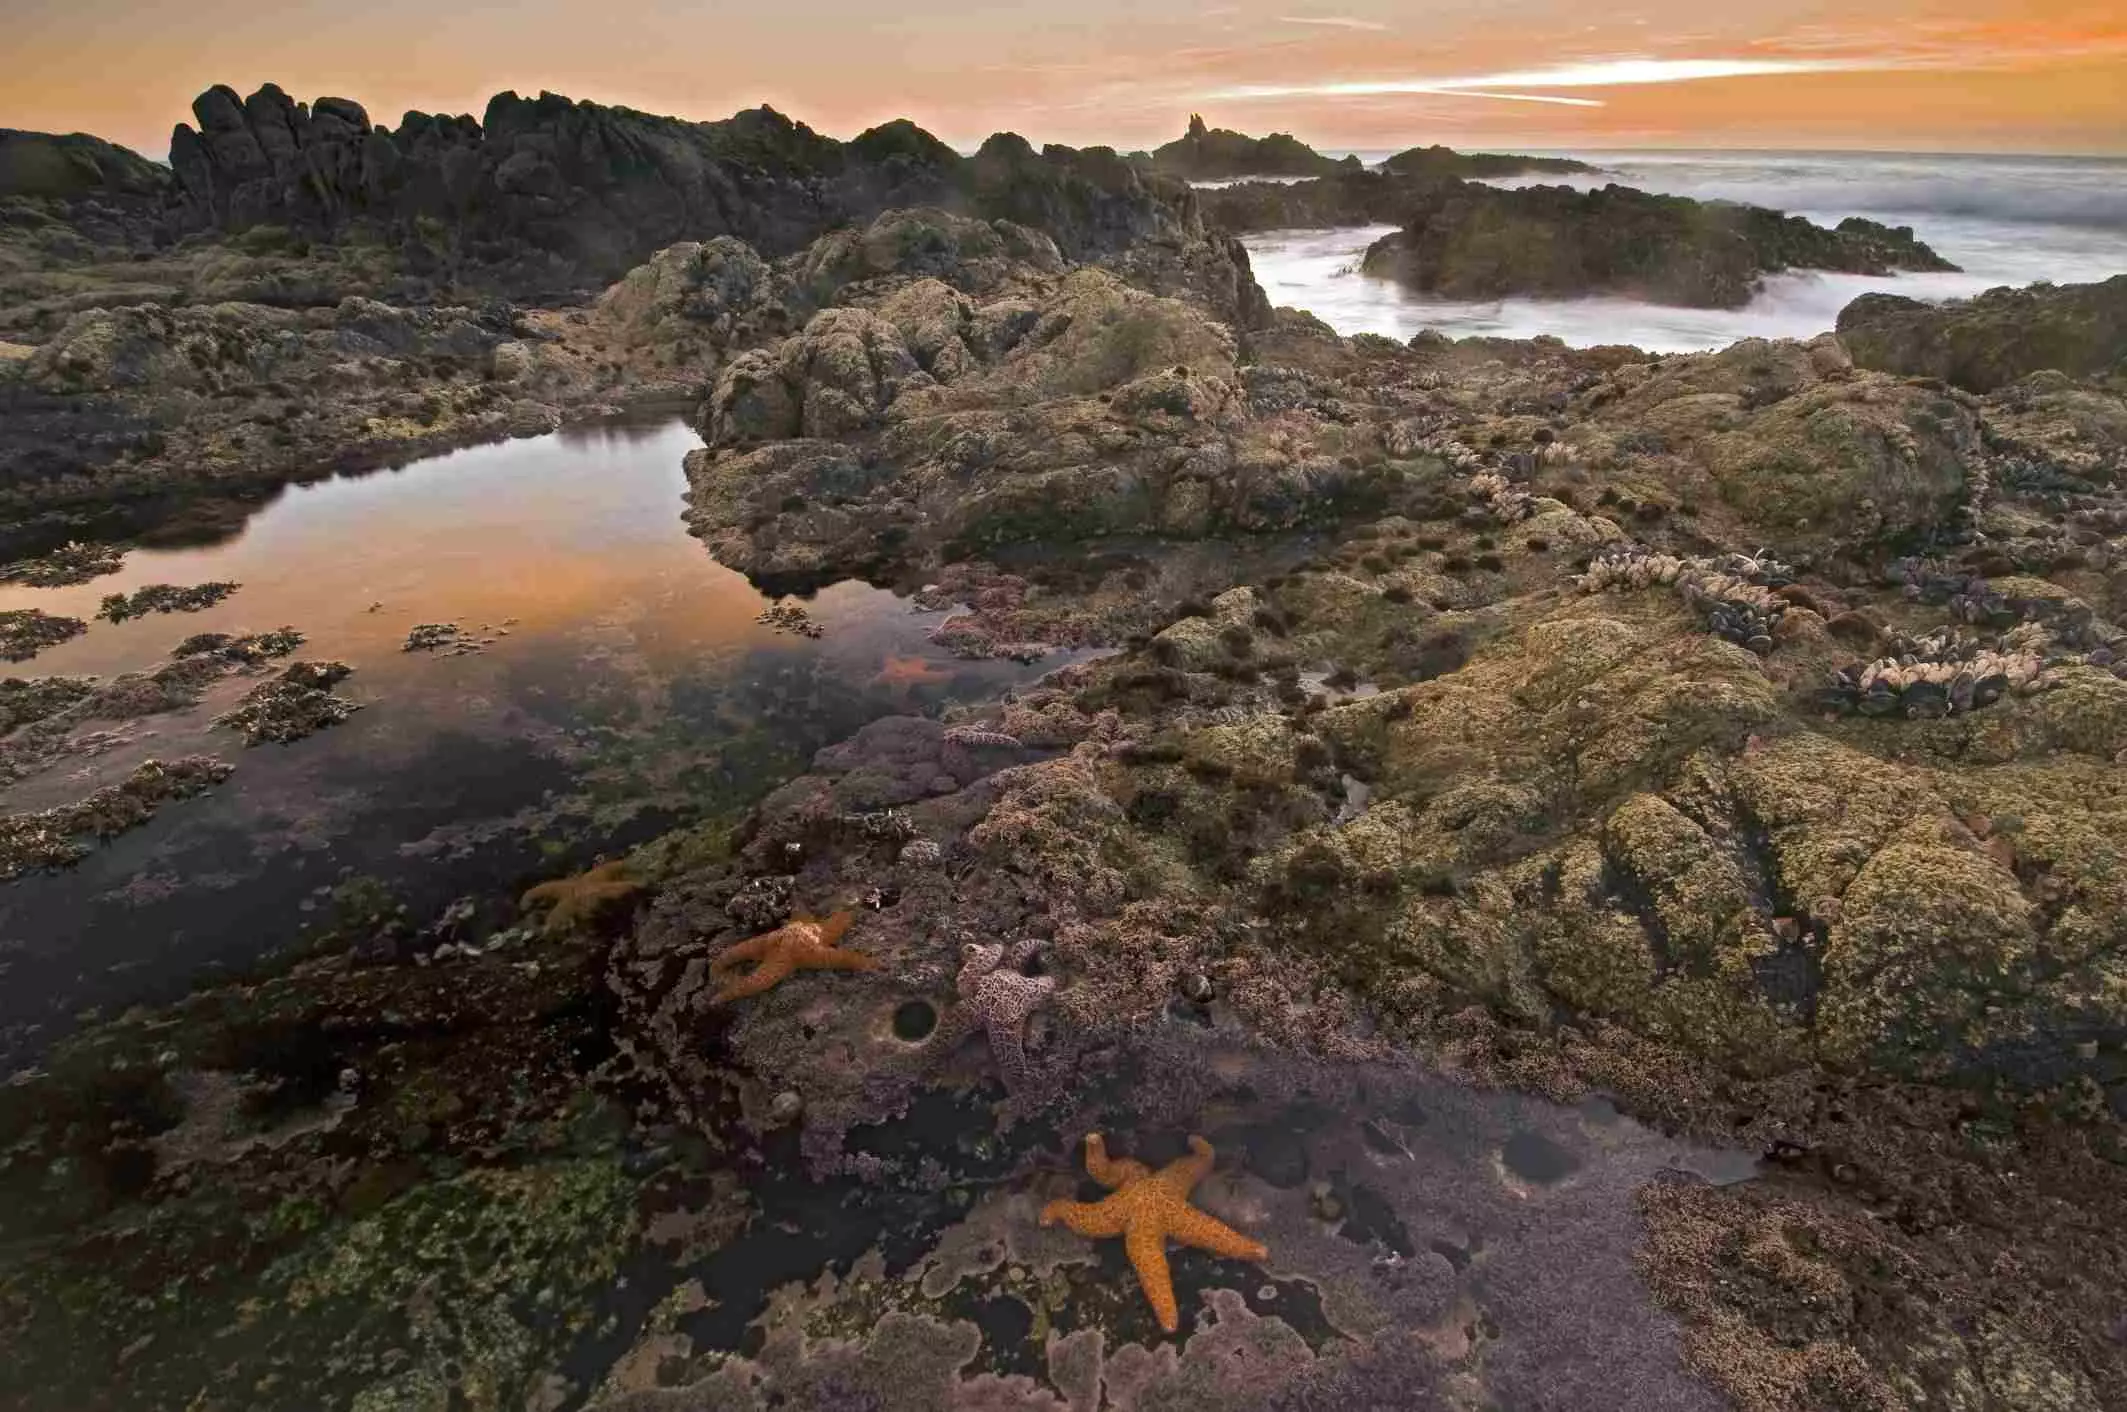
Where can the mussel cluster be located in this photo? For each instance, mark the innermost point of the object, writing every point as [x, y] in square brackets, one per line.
[1734, 593]
[976, 737]
[1942, 674]
[881, 825]
[1507, 502]
[1972, 600]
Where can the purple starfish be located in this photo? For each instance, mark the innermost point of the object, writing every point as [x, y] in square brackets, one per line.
[998, 997]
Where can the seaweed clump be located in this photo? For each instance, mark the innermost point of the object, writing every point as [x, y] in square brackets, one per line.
[246, 649]
[25, 632]
[49, 839]
[163, 598]
[24, 700]
[69, 564]
[297, 703]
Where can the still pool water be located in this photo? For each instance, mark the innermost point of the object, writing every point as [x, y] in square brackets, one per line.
[626, 687]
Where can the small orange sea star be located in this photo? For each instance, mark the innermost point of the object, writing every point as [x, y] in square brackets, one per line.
[906, 673]
[1148, 1209]
[800, 945]
[587, 897]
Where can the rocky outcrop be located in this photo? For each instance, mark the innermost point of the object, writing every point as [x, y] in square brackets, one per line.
[72, 198]
[74, 166]
[1980, 344]
[1214, 154]
[546, 195]
[1438, 161]
[920, 418]
[1462, 240]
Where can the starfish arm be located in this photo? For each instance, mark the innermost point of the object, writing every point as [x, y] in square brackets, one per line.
[1088, 1218]
[1146, 1247]
[1009, 1047]
[1110, 1172]
[1192, 1227]
[827, 958]
[752, 948]
[544, 892]
[1185, 1172]
[1020, 952]
[954, 1026]
[831, 928]
[981, 960]
[768, 973]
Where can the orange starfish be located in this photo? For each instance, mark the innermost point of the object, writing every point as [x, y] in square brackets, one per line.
[906, 673]
[1148, 1209]
[587, 898]
[800, 945]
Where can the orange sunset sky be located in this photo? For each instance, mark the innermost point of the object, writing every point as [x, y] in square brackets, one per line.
[1959, 75]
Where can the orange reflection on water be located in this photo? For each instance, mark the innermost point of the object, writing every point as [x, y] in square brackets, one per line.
[573, 534]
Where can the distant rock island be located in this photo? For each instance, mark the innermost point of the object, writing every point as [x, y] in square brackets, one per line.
[1438, 161]
[1219, 154]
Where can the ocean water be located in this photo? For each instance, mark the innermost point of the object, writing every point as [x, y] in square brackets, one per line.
[2006, 220]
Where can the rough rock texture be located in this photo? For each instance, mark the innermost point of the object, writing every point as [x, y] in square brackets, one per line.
[1462, 240]
[1985, 343]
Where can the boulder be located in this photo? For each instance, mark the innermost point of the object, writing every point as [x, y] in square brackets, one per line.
[1988, 342]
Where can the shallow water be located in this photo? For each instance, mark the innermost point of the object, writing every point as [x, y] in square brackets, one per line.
[2006, 220]
[625, 687]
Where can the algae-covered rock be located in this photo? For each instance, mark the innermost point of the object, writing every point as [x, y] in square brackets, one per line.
[717, 293]
[1994, 339]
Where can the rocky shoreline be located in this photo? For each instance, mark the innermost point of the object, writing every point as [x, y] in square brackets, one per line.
[1495, 736]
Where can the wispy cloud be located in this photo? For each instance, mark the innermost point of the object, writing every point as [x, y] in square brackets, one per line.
[1601, 73]
[1333, 22]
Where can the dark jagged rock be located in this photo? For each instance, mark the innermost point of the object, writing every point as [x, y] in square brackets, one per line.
[547, 194]
[1469, 241]
[1212, 154]
[1990, 341]
[1438, 161]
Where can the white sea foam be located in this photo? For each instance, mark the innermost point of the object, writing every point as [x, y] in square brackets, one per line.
[2006, 220]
